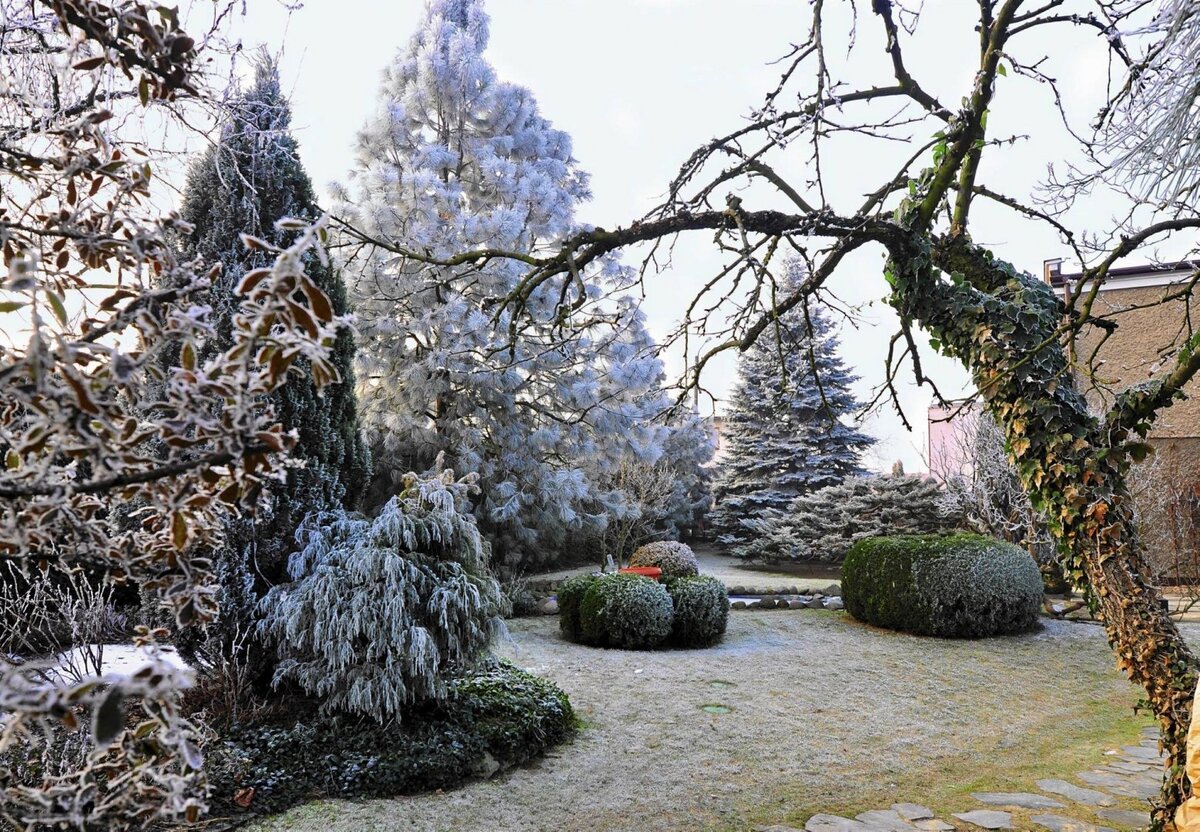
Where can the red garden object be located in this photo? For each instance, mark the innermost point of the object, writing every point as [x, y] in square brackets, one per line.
[651, 572]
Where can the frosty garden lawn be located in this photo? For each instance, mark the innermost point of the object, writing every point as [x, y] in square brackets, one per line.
[824, 714]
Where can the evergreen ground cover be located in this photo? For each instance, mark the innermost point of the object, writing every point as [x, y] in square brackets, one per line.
[498, 717]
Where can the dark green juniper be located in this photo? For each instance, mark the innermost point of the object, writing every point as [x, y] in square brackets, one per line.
[244, 184]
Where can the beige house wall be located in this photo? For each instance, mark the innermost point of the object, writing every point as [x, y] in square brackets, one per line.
[1141, 349]
[1147, 328]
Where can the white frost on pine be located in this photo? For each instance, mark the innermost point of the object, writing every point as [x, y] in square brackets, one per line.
[455, 160]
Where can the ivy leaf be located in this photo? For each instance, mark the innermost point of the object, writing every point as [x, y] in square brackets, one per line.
[1139, 450]
[108, 718]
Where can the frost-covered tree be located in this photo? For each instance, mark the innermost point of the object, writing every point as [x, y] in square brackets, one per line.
[244, 184]
[787, 429]
[823, 525]
[457, 159]
[382, 612]
[663, 500]
[688, 451]
[1154, 123]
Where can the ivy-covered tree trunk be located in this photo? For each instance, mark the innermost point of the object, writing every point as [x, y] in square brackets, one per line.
[1004, 326]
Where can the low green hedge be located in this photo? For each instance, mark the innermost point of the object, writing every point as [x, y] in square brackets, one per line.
[701, 610]
[638, 613]
[501, 715]
[570, 596]
[953, 586]
[626, 611]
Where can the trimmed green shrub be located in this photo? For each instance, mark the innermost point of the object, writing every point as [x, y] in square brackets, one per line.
[570, 596]
[626, 611]
[701, 610]
[501, 715]
[952, 586]
[675, 559]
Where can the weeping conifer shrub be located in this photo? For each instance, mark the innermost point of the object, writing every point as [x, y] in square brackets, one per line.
[382, 613]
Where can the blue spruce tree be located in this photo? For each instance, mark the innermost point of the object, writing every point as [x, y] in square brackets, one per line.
[787, 430]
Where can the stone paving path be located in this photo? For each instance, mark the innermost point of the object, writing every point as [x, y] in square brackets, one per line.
[1132, 773]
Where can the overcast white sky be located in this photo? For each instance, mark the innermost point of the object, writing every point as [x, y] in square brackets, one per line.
[640, 83]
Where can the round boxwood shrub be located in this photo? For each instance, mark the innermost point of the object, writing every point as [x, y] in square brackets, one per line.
[570, 596]
[675, 559]
[701, 610]
[952, 586]
[626, 611]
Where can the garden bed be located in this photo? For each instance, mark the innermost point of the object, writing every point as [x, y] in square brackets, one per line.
[789, 716]
[493, 720]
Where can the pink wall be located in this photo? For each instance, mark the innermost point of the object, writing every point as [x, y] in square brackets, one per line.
[948, 450]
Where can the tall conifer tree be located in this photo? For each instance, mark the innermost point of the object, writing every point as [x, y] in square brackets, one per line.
[244, 184]
[787, 430]
[456, 159]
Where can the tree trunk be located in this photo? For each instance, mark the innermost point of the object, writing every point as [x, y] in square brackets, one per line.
[1003, 325]
[1148, 645]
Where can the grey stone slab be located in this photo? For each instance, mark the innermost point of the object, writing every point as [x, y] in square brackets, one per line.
[1076, 794]
[832, 823]
[1118, 784]
[884, 820]
[912, 811]
[987, 819]
[1125, 817]
[1127, 767]
[1057, 823]
[1142, 752]
[933, 825]
[777, 827]
[1022, 800]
